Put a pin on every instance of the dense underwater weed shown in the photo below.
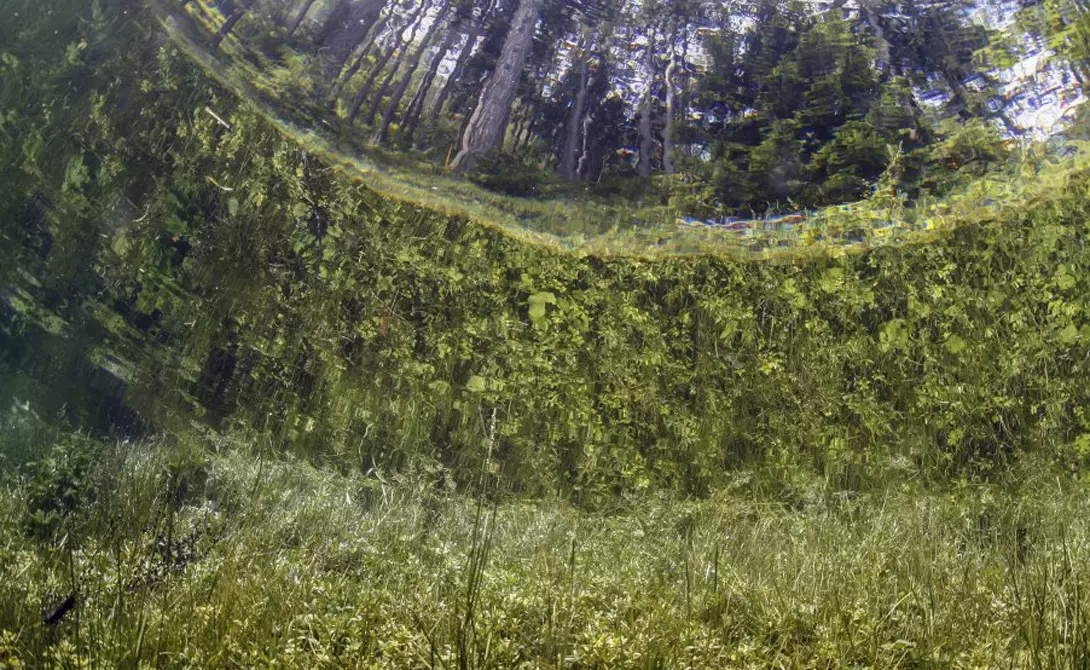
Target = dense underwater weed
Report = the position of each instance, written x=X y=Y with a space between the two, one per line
x=277 y=563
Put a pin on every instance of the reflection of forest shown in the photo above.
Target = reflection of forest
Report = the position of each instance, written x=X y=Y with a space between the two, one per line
x=714 y=108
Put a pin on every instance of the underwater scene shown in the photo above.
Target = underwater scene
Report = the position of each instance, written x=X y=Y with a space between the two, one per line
x=586 y=334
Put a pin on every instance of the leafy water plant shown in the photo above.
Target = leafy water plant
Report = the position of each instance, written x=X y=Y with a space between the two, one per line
x=58 y=487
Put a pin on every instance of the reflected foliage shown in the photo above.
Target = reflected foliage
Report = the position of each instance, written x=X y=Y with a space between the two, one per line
x=744 y=108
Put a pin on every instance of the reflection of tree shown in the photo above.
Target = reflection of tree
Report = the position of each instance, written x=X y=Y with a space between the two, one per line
x=764 y=102
x=489 y=120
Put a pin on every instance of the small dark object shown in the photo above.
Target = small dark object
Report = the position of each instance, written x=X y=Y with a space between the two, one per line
x=60 y=611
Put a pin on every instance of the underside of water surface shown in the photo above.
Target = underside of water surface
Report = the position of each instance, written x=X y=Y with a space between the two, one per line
x=859 y=126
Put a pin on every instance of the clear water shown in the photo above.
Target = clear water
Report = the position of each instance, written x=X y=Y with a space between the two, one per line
x=767 y=131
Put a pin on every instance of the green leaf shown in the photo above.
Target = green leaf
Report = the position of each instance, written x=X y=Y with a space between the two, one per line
x=955 y=344
x=477 y=384
x=894 y=335
x=440 y=386
x=537 y=303
x=76 y=174
x=232 y=206
x=1064 y=278
x=832 y=279
x=1070 y=334
x=791 y=291
x=1082 y=445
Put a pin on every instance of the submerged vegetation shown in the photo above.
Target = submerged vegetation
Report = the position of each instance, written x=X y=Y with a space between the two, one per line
x=287 y=420
x=215 y=555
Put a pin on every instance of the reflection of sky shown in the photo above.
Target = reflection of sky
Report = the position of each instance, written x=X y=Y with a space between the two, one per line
x=1040 y=94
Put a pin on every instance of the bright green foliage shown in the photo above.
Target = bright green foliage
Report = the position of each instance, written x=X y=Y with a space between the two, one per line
x=269 y=562
x=57 y=488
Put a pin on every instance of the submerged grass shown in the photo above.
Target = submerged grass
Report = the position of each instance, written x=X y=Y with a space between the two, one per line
x=183 y=556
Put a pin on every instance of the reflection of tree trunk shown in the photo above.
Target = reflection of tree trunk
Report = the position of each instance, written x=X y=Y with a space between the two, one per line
x=300 y=17
x=460 y=64
x=594 y=159
x=376 y=99
x=488 y=123
x=345 y=30
x=646 y=140
x=528 y=123
x=884 y=58
x=334 y=22
x=668 y=125
x=582 y=164
x=1076 y=73
x=411 y=119
x=403 y=45
x=454 y=76
x=346 y=76
x=957 y=88
x=521 y=123
x=365 y=90
x=568 y=155
x=232 y=20
x=406 y=79
x=357 y=63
